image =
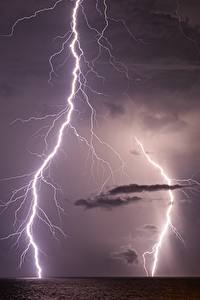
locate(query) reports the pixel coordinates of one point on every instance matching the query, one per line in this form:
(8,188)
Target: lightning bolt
(39,174)
(156,248)
(59,140)
(79,85)
(49,158)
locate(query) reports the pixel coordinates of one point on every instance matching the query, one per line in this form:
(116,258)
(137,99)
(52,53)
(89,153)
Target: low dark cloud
(136,152)
(110,200)
(128,255)
(136,188)
(106,202)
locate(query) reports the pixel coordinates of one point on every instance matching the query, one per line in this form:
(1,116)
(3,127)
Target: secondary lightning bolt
(156,248)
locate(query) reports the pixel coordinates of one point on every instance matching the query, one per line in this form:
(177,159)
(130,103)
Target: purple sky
(159,104)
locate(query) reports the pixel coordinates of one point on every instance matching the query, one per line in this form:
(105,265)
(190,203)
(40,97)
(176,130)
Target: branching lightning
(33,185)
(79,87)
(59,140)
(79,84)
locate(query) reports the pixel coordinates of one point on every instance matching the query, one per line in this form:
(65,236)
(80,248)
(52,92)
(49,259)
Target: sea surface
(101,288)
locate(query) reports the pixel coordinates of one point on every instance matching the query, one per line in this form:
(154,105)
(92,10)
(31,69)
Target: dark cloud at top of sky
(163,62)
(164,46)
(136,188)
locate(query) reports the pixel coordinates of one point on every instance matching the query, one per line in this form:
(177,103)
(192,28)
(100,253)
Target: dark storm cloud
(128,255)
(109,201)
(161,6)
(136,188)
(165,46)
(106,202)
(153,28)
(164,69)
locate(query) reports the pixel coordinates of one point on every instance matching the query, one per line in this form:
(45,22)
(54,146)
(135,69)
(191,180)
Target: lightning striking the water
(59,140)
(168,224)
(38,176)
(79,85)
(156,248)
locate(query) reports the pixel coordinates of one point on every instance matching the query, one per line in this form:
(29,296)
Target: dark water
(97,289)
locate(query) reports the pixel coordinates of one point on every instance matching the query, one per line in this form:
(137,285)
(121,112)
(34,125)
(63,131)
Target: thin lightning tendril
(191,184)
(35,14)
(32,187)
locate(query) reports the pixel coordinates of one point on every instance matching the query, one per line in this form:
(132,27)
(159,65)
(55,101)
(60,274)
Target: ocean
(101,288)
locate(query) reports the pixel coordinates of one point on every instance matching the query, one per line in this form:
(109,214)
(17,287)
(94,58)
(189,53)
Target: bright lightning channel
(79,84)
(156,248)
(39,172)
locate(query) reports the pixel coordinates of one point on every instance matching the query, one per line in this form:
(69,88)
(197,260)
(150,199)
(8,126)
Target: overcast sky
(153,95)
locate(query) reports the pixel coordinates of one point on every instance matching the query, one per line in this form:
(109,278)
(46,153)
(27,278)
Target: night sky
(154,95)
